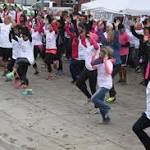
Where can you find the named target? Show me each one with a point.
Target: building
(83, 1)
(65, 3)
(25, 2)
(70, 3)
(6, 1)
(62, 3)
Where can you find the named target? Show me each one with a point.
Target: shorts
(124, 60)
(6, 53)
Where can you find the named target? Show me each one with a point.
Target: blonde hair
(107, 50)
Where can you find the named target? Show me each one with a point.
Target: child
(104, 80)
(51, 48)
(26, 57)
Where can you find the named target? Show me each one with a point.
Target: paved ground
(57, 118)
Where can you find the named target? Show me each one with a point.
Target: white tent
(133, 7)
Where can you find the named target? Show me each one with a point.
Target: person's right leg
(92, 80)
(142, 123)
(80, 66)
(74, 72)
(81, 83)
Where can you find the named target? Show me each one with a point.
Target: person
(89, 45)
(101, 25)
(14, 37)
(135, 54)
(5, 44)
(37, 32)
(77, 62)
(68, 41)
(113, 42)
(124, 51)
(60, 48)
(144, 52)
(23, 20)
(144, 122)
(26, 57)
(51, 47)
(12, 13)
(104, 81)
(18, 14)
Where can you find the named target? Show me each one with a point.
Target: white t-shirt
(81, 50)
(16, 48)
(36, 37)
(136, 40)
(4, 35)
(148, 101)
(103, 78)
(27, 51)
(51, 40)
(12, 14)
(88, 56)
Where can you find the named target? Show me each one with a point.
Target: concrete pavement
(56, 117)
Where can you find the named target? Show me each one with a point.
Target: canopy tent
(105, 4)
(132, 7)
(134, 12)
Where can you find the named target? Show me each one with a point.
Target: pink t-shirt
(124, 39)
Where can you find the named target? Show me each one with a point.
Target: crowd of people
(97, 50)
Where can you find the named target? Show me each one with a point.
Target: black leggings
(22, 71)
(59, 58)
(49, 59)
(142, 123)
(10, 65)
(37, 51)
(76, 67)
(68, 47)
(81, 82)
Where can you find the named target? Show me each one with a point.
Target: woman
(112, 40)
(124, 51)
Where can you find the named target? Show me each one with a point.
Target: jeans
(81, 82)
(142, 123)
(99, 100)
